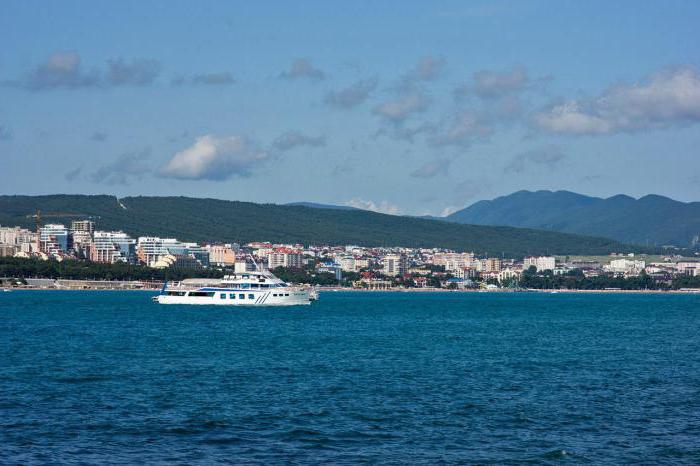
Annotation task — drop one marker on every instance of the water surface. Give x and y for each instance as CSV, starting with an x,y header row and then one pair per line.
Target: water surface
x,y
391,378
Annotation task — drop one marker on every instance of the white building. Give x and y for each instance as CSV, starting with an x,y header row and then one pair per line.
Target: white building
x,y
625,266
284,258
54,239
541,263
113,246
453,260
395,264
221,255
688,268
347,263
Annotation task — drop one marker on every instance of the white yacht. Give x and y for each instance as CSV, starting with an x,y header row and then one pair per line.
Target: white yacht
x,y
259,288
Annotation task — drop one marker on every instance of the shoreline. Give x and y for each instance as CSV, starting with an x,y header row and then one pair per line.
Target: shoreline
x,y
392,290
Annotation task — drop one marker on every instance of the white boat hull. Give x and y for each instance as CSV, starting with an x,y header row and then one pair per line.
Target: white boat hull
x,y
233,297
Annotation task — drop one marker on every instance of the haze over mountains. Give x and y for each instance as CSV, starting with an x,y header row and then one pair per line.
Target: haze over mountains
x,y
213,220
651,220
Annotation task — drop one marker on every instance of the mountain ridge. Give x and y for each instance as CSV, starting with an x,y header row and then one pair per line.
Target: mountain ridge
x,y
651,220
205,220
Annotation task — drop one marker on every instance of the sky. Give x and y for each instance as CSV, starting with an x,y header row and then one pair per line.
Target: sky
x,y
395,106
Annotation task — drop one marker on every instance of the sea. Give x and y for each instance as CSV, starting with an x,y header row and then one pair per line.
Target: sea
x,y
89,377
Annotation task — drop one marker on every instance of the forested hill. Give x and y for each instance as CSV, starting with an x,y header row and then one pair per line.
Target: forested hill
x,y
203,220
651,220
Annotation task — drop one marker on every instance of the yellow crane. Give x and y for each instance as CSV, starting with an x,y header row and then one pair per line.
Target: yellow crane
x,y
38,216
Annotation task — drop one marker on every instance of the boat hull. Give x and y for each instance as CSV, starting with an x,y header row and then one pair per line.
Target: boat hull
x,y
230,297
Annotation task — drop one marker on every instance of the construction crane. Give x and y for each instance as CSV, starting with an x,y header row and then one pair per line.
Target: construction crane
x,y
38,216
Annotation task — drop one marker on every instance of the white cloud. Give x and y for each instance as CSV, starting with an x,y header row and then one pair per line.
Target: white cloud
x,y
492,84
353,95
122,170
432,169
667,98
548,156
303,68
213,158
464,129
570,118
61,70
383,207
405,105
138,72
293,139
214,79
427,69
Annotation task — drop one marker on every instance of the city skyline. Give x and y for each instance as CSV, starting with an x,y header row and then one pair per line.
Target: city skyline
x,y
399,108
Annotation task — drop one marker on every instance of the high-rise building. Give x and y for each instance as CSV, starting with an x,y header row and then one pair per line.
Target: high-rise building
x,y
541,263
25,240
87,226
113,246
221,255
453,260
395,264
491,264
284,257
151,249
54,239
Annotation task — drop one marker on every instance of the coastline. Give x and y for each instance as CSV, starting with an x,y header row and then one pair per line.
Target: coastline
x,y
122,286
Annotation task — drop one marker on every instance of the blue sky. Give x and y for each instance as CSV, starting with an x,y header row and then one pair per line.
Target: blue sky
x,y
402,107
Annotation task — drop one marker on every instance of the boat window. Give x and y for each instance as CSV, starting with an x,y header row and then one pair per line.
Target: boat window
x,y
201,294
254,285
223,295
265,286
245,285
177,293
241,296
251,296
286,294
232,296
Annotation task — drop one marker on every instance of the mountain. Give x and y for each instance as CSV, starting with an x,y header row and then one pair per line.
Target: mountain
x,y
651,220
203,220
316,205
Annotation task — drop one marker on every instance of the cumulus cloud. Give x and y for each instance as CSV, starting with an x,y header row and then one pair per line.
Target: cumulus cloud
x,y
383,207
138,72
214,79
213,158
427,69
293,139
572,118
670,97
462,130
353,95
98,136
124,169
491,84
61,70
548,156
432,169
5,133
302,68
400,108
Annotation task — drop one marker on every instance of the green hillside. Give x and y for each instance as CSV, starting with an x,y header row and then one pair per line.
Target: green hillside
x,y
202,220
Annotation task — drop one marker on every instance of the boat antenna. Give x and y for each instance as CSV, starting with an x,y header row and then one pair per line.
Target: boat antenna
x,y
254,263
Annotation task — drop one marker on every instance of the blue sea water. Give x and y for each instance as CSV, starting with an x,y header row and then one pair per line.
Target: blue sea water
x,y
389,378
